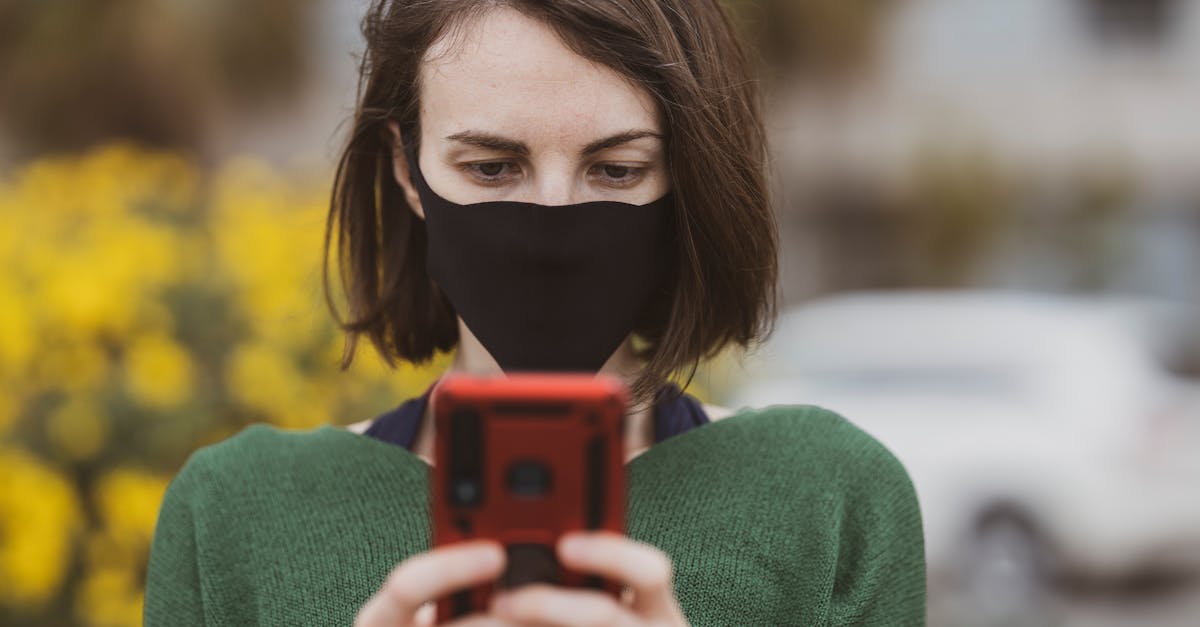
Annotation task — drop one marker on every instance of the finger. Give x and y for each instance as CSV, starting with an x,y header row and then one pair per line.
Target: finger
x,y
430,575
553,606
427,616
644,568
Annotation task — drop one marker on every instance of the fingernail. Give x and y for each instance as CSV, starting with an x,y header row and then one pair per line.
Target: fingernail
x,y
495,556
573,547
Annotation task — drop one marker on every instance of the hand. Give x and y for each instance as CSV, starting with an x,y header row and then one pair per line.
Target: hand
x,y
645,570
402,600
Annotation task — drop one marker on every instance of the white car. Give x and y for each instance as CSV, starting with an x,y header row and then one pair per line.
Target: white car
x,y
1043,435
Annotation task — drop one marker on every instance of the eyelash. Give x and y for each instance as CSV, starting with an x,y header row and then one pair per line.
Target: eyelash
x,y
633,174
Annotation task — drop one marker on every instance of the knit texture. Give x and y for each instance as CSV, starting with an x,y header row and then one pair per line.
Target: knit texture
x,y
784,515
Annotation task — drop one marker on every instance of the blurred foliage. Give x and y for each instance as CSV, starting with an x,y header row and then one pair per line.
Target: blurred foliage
x,y
74,73
933,226
147,309
166,72
1102,193
952,213
820,39
956,207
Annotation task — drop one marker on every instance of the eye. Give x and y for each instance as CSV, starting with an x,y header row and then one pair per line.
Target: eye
x,y
491,169
617,175
488,171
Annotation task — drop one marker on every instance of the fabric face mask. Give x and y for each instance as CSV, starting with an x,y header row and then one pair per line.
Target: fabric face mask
x,y
547,288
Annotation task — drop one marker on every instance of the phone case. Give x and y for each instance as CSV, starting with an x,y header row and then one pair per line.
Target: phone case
x,y
521,459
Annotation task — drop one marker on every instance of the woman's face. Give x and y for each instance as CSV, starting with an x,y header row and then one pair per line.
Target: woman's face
x,y
510,113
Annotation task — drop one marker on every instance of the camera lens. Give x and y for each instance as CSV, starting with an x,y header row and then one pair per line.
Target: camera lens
x,y
466,492
528,478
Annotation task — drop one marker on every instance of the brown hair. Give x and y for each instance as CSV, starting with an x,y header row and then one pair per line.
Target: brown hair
x,y
687,56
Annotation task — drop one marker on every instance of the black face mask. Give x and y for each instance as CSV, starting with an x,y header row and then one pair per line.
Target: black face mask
x,y
547,288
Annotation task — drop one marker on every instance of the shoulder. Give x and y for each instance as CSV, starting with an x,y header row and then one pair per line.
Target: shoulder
x,y
245,458
870,489
869,502
808,428
255,447
816,442
813,462
219,487
262,458
282,479
814,445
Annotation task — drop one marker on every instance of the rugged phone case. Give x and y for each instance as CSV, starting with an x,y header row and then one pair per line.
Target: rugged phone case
x,y
522,459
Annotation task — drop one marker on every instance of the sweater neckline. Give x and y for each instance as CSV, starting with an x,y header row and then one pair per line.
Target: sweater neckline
x,y
673,412
674,441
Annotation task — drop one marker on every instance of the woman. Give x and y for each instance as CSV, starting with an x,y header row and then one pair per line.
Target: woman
x,y
573,185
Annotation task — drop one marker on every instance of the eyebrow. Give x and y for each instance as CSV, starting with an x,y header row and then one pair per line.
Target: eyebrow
x,y
505,144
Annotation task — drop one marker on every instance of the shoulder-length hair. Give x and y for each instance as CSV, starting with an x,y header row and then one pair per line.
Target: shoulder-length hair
x,y
686,54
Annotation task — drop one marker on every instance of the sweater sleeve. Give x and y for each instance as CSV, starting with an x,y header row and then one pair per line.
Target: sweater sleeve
x,y
880,574
173,595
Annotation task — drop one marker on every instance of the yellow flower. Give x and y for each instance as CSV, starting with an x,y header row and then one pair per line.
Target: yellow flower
x,y
16,327
102,550
71,366
39,515
110,597
89,239
268,234
92,248
77,428
10,408
158,371
96,274
262,377
128,501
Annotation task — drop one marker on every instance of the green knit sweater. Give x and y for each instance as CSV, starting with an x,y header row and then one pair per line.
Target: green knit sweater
x,y
787,515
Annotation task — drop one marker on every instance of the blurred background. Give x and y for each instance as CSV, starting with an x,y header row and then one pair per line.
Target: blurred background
x,y
990,213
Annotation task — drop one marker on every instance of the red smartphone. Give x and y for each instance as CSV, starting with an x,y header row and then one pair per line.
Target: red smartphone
x,y
521,459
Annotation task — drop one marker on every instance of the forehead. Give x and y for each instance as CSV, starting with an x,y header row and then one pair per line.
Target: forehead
x,y
507,73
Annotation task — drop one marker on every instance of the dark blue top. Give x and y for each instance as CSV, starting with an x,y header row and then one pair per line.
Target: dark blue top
x,y
674,413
